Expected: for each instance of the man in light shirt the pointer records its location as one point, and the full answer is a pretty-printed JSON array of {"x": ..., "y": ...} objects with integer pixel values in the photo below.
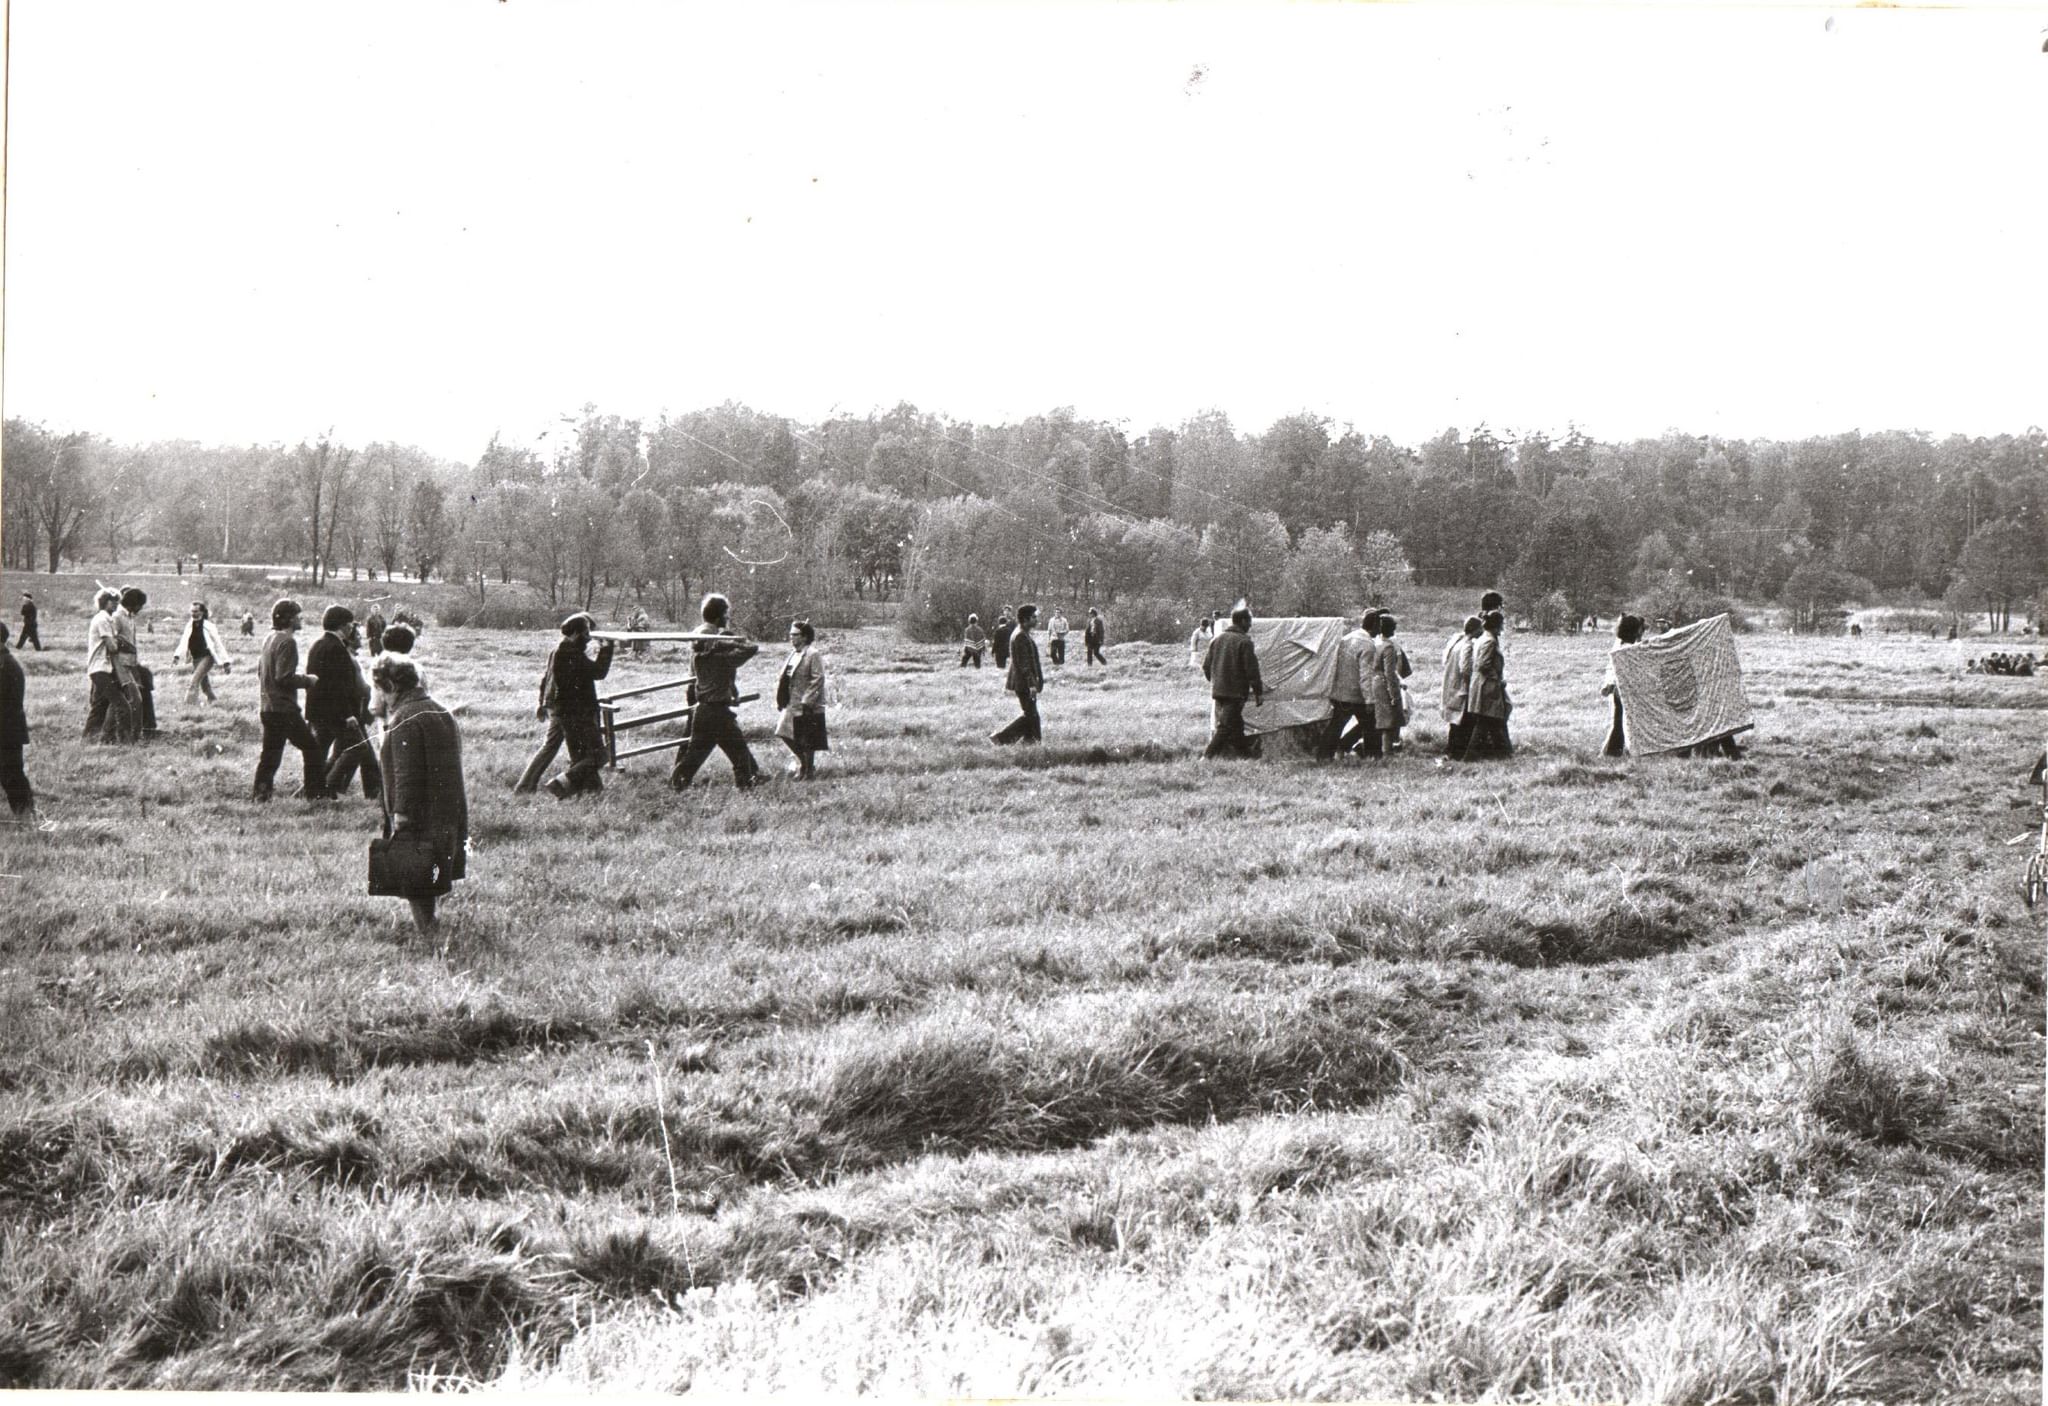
[{"x": 106, "y": 717}]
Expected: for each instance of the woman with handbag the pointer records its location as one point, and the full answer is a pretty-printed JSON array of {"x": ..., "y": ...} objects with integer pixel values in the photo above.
[
  {"x": 800, "y": 693},
  {"x": 426, "y": 807}
]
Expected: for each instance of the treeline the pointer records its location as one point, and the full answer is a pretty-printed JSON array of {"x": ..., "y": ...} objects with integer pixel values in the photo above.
[{"x": 947, "y": 516}]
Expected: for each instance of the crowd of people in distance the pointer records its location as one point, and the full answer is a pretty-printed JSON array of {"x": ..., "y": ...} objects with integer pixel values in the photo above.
[
  {"x": 2020, "y": 665},
  {"x": 974, "y": 641}
]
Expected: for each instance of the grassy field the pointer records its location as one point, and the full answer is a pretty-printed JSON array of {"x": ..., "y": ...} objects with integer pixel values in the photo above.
[{"x": 1087, "y": 1069}]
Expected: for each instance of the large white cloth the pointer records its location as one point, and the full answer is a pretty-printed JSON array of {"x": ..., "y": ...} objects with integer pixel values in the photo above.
[
  {"x": 1298, "y": 662},
  {"x": 1681, "y": 688}
]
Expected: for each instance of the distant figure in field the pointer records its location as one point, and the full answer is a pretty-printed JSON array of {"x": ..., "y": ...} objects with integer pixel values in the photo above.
[
  {"x": 1487, "y": 704},
  {"x": 1232, "y": 669},
  {"x": 1350, "y": 709},
  {"x": 1390, "y": 666},
  {"x": 1627, "y": 631},
  {"x": 279, "y": 682},
  {"x": 999, "y": 642},
  {"x": 106, "y": 711},
  {"x": 972, "y": 643},
  {"x": 1458, "y": 686},
  {"x": 29, "y": 635},
  {"x": 249, "y": 623},
  {"x": 200, "y": 648},
  {"x": 1056, "y": 637},
  {"x": 337, "y": 705},
  {"x": 423, "y": 787},
  {"x": 1198, "y": 642},
  {"x": 137, "y": 682},
  {"x": 640, "y": 624},
  {"x": 714, "y": 724},
  {"x": 1092, "y": 637},
  {"x": 21, "y": 797},
  {"x": 800, "y": 693},
  {"x": 373, "y": 628},
  {"x": 1025, "y": 679},
  {"x": 568, "y": 704}
]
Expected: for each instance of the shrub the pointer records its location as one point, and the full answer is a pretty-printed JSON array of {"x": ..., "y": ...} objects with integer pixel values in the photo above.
[{"x": 1149, "y": 618}]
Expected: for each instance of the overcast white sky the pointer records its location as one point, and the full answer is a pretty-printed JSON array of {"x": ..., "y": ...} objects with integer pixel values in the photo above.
[{"x": 429, "y": 221}]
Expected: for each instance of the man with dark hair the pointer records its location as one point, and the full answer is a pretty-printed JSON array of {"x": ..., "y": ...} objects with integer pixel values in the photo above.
[
  {"x": 1232, "y": 669},
  {"x": 29, "y": 636},
  {"x": 568, "y": 704},
  {"x": 1025, "y": 678},
  {"x": 1091, "y": 637},
  {"x": 21, "y": 798},
  {"x": 1457, "y": 688},
  {"x": 714, "y": 724},
  {"x": 999, "y": 642},
  {"x": 373, "y": 630},
  {"x": 1487, "y": 704},
  {"x": 138, "y": 685},
  {"x": 106, "y": 712},
  {"x": 337, "y": 699},
  {"x": 279, "y": 681}
]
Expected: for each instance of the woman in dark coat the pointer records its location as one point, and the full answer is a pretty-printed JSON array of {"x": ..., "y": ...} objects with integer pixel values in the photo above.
[{"x": 423, "y": 789}]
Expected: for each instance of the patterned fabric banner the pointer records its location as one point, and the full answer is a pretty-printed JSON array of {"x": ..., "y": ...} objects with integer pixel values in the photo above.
[{"x": 1681, "y": 688}]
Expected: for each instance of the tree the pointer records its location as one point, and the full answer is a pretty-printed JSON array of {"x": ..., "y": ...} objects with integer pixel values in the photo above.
[
  {"x": 426, "y": 527},
  {"x": 1817, "y": 591},
  {"x": 61, "y": 476},
  {"x": 1383, "y": 567},
  {"x": 2001, "y": 564},
  {"x": 1321, "y": 575},
  {"x": 391, "y": 473},
  {"x": 322, "y": 471},
  {"x": 1243, "y": 556},
  {"x": 1570, "y": 550}
]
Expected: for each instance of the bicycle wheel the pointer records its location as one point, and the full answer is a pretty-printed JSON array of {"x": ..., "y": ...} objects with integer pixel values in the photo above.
[{"x": 2037, "y": 879}]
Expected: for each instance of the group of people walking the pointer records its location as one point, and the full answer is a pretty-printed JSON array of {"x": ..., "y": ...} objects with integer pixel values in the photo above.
[
  {"x": 974, "y": 642},
  {"x": 1368, "y": 701}
]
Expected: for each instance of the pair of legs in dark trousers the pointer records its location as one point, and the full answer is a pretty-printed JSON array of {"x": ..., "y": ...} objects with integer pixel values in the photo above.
[
  {"x": 1056, "y": 649},
  {"x": 584, "y": 737},
  {"x": 1458, "y": 738},
  {"x": 21, "y": 800},
  {"x": 345, "y": 747},
  {"x": 1488, "y": 737},
  {"x": 106, "y": 716},
  {"x": 1615, "y": 746},
  {"x": 278, "y": 729},
  {"x": 29, "y": 636},
  {"x": 714, "y": 726},
  {"x": 1350, "y": 724},
  {"x": 1025, "y": 727},
  {"x": 1227, "y": 734},
  {"x": 1095, "y": 654}
]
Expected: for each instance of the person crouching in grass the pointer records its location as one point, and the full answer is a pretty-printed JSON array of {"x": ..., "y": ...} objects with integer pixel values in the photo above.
[{"x": 423, "y": 788}]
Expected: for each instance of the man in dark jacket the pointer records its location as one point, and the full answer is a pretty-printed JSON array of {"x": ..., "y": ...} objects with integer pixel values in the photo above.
[
  {"x": 999, "y": 642},
  {"x": 568, "y": 701},
  {"x": 1025, "y": 678},
  {"x": 714, "y": 724},
  {"x": 1232, "y": 669},
  {"x": 1092, "y": 637},
  {"x": 29, "y": 636},
  {"x": 337, "y": 699},
  {"x": 424, "y": 793},
  {"x": 21, "y": 799},
  {"x": 279, "y": 681}
]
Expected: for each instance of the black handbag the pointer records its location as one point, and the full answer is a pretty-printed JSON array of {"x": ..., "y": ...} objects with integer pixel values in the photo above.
[
  {"x": 406, "y": 866},
  {"x": 782, "y": 687}
]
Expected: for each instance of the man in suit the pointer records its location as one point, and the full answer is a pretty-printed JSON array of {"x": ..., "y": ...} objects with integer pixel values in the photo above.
[
  {"x": 29, "y": 635},
  {"x": 336, "y": 699},
  {"x": 1349, "y": 694},
  {"x": 1025, "y": 679}
]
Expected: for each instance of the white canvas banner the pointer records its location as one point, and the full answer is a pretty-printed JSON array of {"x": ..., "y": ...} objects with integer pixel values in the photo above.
[{"x": 1681, "y": 688}]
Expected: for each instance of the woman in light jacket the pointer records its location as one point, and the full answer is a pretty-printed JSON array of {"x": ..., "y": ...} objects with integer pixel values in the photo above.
[
  {"x": 423, "y": 788},
  {"x": 1458, "y": 685},
  {"x": 800, "y": 693},
  {"x": 199, "y": 645}
]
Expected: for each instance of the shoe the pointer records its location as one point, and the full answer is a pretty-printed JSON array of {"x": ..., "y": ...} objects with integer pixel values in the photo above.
[{"x": 558, "y": 788}]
